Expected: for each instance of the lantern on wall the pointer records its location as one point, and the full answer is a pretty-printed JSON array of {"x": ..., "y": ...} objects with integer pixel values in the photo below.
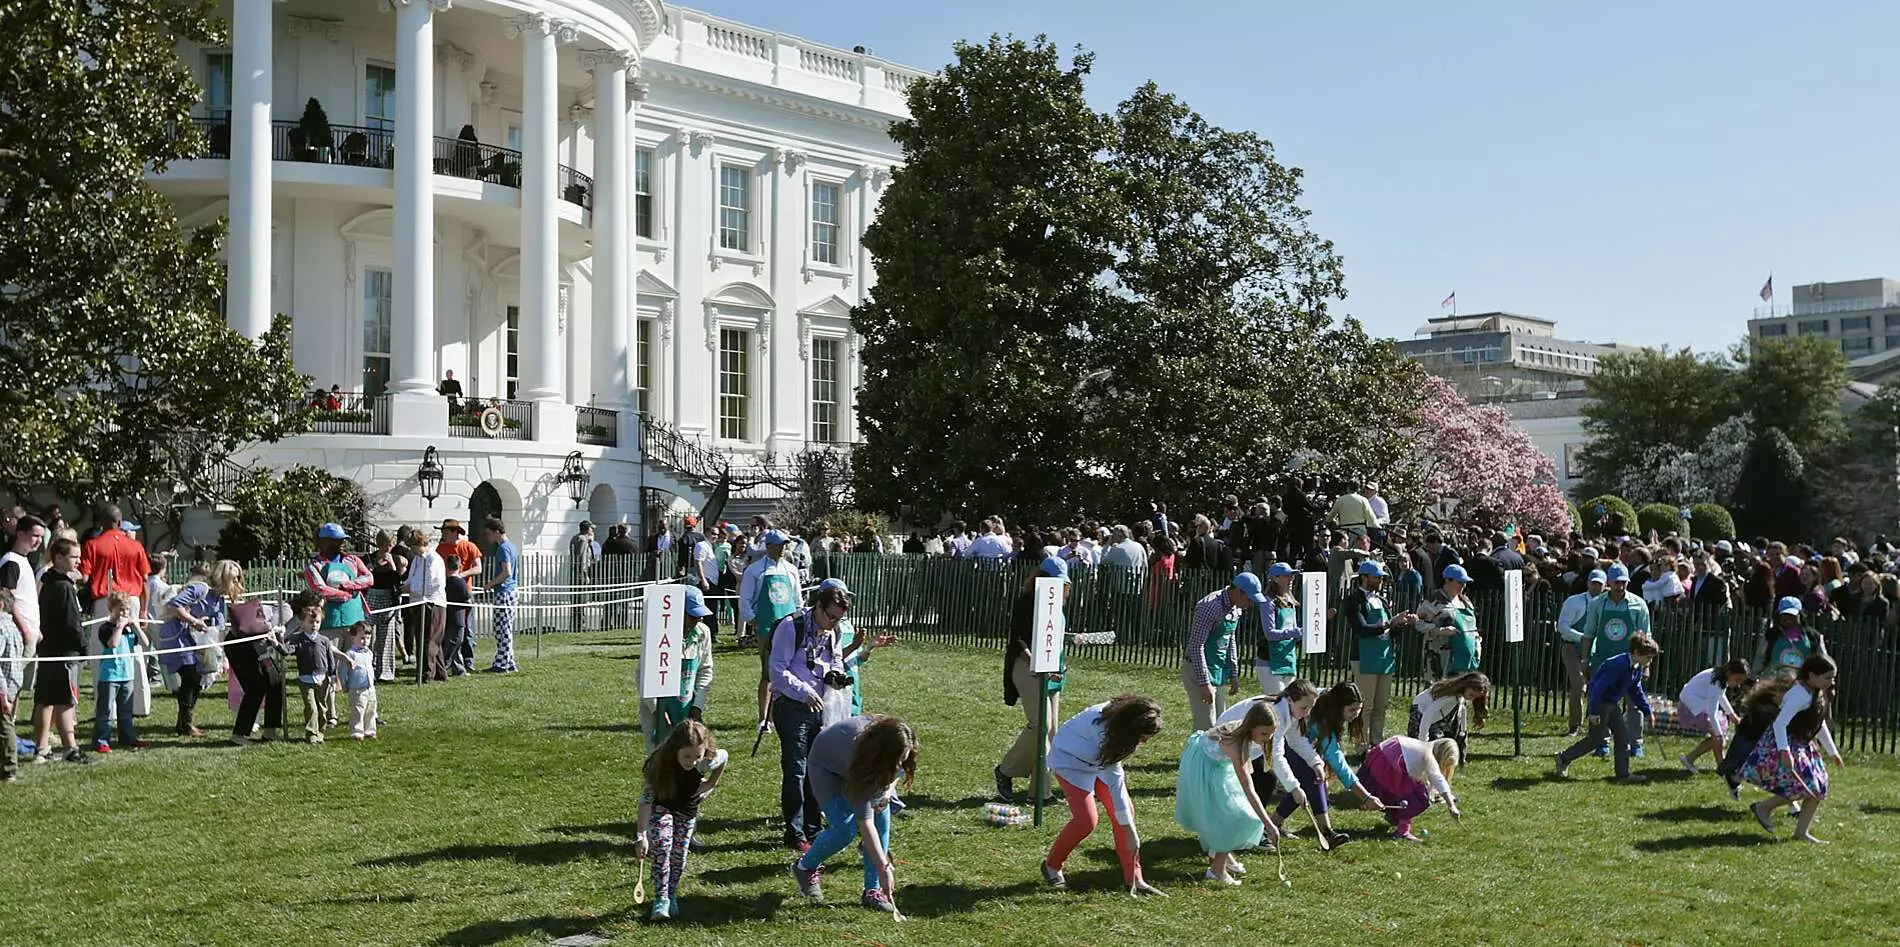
[
  {"x": 429, "y": 475},
  {"x": 575, "y": 476}
]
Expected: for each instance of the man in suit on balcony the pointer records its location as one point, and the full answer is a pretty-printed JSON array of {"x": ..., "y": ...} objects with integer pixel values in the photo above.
[{"x": 452, "y": 390}]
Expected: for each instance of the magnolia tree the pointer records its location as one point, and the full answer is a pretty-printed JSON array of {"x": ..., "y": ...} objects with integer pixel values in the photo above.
[{"x": 1493, "y": 471}]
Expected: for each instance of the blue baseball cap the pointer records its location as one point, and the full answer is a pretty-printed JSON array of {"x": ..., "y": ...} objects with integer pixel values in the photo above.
[
  {"x": 732, "y": 529},
  {"x": 1596, "y": 575},
  {"x": 331, "y": 531},
  {"x": 1789, "y": 605},
  {"x": 1249, "y": 583},
  {"x": 776, "y": 537},
  {"x": 836, "y": 584},
  {"x": 1372, "y": 567},
  {"x": 1617, "y": 572},
  {"x": 696, "y": 603},
  {"x": 1455, "y": 573},
  {"x": 1279, "y": 569},
  {"x": 1053, "y": 568}
]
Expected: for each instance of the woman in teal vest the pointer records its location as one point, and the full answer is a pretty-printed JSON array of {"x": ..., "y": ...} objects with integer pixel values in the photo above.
[
  {"x": 1789, "y": 644},
  {"x": 1277, "y": 658},
  {"x": 1366, "y": 616},
  {"x": 1455, "y": 621}
]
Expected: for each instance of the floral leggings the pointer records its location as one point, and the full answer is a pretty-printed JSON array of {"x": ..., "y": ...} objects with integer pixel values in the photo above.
[{"x": 668, "y": 834}]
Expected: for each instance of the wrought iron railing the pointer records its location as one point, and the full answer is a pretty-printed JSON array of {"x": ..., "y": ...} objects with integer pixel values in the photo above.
[
  {"x": 575, "y": 188},
  {"x": 597, "y": 426},
  {"x": 663, "y": 444},
  {"x": 348, "y": 412},
  {"x": 517, "y": 419}
]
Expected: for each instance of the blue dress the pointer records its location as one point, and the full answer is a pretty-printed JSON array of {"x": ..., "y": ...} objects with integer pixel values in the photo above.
[{"x": 1209, "y": 800}]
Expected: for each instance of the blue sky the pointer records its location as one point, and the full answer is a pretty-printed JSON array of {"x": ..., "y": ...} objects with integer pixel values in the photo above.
[{"x": 1632, "y": 171}]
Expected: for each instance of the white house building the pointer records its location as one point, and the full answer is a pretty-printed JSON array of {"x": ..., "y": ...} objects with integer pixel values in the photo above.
[{"x": 631, "y": 229}]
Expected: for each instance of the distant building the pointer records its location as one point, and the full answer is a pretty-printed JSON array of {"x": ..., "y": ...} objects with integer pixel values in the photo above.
[
  {"x": 1862, "y": 315},
  {"x": 1555, "y": 425},
  {"x": 1496, "y": 356}
]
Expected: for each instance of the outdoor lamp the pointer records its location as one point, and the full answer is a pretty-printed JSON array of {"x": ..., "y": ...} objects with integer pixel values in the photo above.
[
  {"x": 575, "y": 476},
  {"x": 429, "y": 475}
]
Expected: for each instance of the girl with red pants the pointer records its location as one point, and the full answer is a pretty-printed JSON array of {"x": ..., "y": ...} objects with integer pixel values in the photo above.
[{"x": 1086, "y": 758}]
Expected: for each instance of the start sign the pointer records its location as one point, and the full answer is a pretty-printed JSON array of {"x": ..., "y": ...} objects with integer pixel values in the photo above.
[
  {"x": 1051, "y": 626},
  {"x": 660, "y": 641}
]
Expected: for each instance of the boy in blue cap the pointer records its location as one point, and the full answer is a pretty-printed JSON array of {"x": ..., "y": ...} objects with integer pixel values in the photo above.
[
  {"x": 1612, "y": 619},
  {"x": 1212, "y": 661},
  {"x": 768, "y": 594}
]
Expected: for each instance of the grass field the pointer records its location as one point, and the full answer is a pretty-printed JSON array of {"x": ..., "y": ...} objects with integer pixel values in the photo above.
[{"x": 499, "y": 811}]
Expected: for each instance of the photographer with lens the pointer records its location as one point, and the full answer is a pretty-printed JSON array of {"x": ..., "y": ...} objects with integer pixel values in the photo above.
[{"x": 806, "y": 665}]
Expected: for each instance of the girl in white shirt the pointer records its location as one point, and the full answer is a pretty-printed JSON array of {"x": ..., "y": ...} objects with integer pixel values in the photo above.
[
  {"x": 1439, "y": 711},
  {"x": 1787, "y": 762},
  {"x": 1703, "y": 705},
  {"x": 1406, "y": 774},
  {"x": 1085, "y": 756}
]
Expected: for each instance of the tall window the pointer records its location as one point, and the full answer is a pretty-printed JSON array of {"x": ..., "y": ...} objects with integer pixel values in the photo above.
[
  {"x": 824, "y": 390},
  {"x": 735, "y": 346},
  {"x": 379, "y": 97},
  {"x": 218, "y": 86},
  {"x": 735, "y": 184},
  {"x": 643, "y": 363},
  {"x": 511, "y": 139},
  {"x": 378, "y": 306},
  {"x": 824, "y": 222},
  {"x": 511, "y": 341},
  {"x": 643, "y": 193}
]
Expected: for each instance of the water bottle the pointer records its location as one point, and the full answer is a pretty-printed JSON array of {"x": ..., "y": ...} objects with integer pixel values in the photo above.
[{"x": 1004, "y": 816}]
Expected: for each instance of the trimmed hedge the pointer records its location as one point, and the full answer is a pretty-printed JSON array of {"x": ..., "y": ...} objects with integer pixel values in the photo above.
[
  {"x": 1711, "y": 522},
  {"x": 1662, "y": 518},
  {"x": 1595, "y": 509}
]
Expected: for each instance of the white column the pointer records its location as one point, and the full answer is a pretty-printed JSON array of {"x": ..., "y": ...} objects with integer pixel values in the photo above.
[
  {"x": 247, "y": 290},
  {"x": 540, "y": 240},
  {"x": 613, "y": 272},
  {"x": 412, "y": 341}
]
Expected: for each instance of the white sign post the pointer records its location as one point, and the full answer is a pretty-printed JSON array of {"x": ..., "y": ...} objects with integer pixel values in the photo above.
[
  {"x": 1052, "y": 626},
  {"x": 1313, "y": 611},
  {"x": 660, "y": 641},
  {"x": 1514, "y": 606}
]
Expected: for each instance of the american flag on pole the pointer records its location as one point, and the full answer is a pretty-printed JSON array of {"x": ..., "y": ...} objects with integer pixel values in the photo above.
[
  {"x": 1450, "y": 301},
  {"x": 1768, "y": 289}
]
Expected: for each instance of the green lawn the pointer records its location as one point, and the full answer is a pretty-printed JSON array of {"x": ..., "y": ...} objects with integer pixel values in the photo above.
[{"x": 499, "y": 811}]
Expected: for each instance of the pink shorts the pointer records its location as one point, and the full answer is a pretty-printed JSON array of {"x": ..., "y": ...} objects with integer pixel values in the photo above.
[{"x": 1714, "y": 726}]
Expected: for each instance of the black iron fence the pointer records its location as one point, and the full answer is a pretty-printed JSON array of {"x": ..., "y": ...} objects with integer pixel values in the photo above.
[
  {"x": 349, "y": 412},
  {"x": 597, "y": 426}
]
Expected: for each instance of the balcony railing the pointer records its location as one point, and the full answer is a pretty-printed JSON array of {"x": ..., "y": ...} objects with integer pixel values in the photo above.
[
  {"x": 349, "y": 412},
  {"x": 363, "y": 147},
  {"x": 597, "y": 426},
  {"x": 517, "y": 420}
]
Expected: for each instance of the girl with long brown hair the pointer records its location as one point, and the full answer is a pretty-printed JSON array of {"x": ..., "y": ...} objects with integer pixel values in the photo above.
[
  {"x": 854, "y": 767},
  {"x": 1789, "y": 763},
  {"x": 1086, "y": 758},
  {"x": 1440, "y": 710},
  {"x": 680, "y": 773},
  {"x": 1215, "y": 797}
]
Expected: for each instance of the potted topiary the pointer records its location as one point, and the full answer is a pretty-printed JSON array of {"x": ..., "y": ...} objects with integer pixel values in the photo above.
[{"x": 315, "y": 126}]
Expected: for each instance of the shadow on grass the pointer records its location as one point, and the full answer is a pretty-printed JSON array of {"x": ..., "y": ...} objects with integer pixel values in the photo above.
[
  {"x": 940, "y": 900},
  {"x": 1716, "y": 814},
  {"x": 626, "y": 830},
  {"x": 544, "y": 928},
  {"x": 532, "y": 853},
  {"x": 1520, "y": 783},
  {"x": 731, "y": 909},
  {"x": 1872, "y": 809},
  {"x": 1717, "y": 840},
  {"x": 964, "y": 803}
]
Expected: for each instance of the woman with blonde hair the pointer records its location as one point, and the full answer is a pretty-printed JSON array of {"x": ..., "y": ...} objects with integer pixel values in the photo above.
[
  {"x": 1405, "y": 774},
  {"x": 196, "y": 613}
]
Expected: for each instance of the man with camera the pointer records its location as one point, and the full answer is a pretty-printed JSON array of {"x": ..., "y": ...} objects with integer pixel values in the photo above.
[{"x": 807, "y": 662}]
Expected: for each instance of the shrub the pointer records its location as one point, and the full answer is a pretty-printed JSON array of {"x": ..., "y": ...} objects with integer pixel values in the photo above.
[
  {"x": 1576, "y": 518},
  {"x": 1662, "y": 518},
  {"x": 1598, "y": 509},
  {"x": 1710, "y": 522},
  {"x": 279, "y": 516},
  {"x": 849, "y": 522}
]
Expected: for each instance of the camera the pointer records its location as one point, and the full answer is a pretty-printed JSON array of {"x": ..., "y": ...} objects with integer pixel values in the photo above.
[{"x": 837, "y": 679}]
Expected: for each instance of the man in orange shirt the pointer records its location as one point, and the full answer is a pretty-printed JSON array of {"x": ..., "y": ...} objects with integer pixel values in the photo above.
[
  {"x": 455, "y": 543},
  {"x": 114, "y": 562}
]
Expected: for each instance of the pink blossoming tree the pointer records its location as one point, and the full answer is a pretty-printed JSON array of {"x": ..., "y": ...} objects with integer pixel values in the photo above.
[{"x": 1495, "y": 473}]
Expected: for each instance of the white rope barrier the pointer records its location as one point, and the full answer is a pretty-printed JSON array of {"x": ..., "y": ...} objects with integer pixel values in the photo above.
[{"x": 143, "y": 652}]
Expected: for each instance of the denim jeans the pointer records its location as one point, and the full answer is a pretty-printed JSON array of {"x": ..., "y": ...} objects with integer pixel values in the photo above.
[
  {"x": 797, "y": 727},
  {"x": 114, "y": 699},
  {"x": 841, "y": 828}
]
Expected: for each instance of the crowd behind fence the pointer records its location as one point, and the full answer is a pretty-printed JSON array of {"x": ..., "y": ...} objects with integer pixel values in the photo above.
[{"x": 1121, "y": 619}]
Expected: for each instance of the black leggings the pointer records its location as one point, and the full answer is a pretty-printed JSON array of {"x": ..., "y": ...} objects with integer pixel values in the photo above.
[
  {"x": 188, "y": 687},
  {"x": 259, "y": 692}
]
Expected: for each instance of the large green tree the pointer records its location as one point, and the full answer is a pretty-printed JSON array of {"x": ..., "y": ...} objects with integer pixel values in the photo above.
[
  {"x": 1080, "y": 312},
  {"x": 1649, "y": 399},
  {"x": 989, "y": 241},
  {"x": 117, "y": 374}
]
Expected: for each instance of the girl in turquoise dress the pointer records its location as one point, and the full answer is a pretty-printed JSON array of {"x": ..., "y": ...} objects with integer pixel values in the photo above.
[{"x": 1215, "y": 798}]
